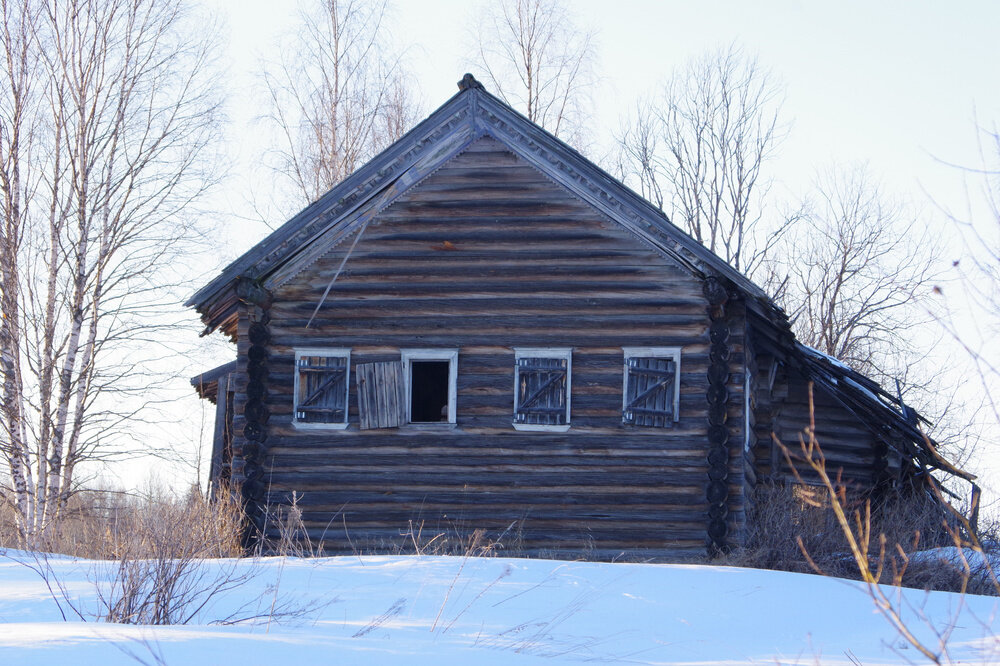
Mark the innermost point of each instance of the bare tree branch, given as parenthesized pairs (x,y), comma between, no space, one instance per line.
(698,150)
(857,271)
(338,94)
(537,60)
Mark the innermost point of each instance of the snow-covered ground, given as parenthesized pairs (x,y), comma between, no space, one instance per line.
(452,610)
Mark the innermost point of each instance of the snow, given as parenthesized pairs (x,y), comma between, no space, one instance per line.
(871,396)
(956,558)
(453,610)
(843,366)
(831,359)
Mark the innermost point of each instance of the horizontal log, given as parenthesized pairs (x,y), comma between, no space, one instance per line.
(685,505)
(646,517)
(682,480)
(581,445)
(534,528)
(514,471)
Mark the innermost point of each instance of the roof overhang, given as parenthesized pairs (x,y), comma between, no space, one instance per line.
(207,383)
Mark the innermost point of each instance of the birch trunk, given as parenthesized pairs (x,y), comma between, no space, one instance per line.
(121,108)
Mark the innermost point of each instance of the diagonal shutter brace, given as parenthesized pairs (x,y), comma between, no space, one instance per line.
(555,375)
(340,268)
(648,392)
(334,376)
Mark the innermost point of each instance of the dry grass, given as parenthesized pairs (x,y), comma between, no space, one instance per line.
(418,539)
(153,569)
(149,553)
(794,528)
(293,538)
(102,524)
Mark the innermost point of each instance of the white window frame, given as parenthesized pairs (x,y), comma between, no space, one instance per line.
(326,352)
(451,355)
(544,352)
(673,353)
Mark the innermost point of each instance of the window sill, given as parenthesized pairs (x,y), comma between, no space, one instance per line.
(632,426)
(532,427)
(429,427)
(319,426)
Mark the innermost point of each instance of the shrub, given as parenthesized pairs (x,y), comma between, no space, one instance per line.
(152,569)
(793,527)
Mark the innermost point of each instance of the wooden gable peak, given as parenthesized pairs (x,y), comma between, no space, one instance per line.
(470,114)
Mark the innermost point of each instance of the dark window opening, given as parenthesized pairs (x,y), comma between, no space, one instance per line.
(429,391)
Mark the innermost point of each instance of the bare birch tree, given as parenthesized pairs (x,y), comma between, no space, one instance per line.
(107,112)
(338,95)
(699,149)
(17,131)
(539,61)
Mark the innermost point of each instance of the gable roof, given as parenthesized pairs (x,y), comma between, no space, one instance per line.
(470,114)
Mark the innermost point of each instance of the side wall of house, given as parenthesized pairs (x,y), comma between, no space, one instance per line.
(484,256)
(851,449)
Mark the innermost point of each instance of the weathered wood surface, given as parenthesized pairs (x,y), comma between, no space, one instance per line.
(483,256)
(849,446)
(380,395)
(221,465)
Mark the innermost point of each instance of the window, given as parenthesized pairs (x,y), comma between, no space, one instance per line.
(651,395)
(542,389)
(321,381)
(430,377)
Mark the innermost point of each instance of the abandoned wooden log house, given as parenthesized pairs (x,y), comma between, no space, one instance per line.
(481,329)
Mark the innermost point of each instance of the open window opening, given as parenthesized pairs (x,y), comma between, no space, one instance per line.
(430,385)
(429,391)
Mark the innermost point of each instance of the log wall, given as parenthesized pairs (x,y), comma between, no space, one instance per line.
(483,256)
(851,448)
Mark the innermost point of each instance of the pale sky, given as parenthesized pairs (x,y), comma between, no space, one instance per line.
(894,84)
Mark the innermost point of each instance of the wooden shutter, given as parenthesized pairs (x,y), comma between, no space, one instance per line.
(381,395)
(541,391)
(322,395)
(649,392)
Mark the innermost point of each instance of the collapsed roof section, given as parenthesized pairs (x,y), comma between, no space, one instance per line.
(892,420)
